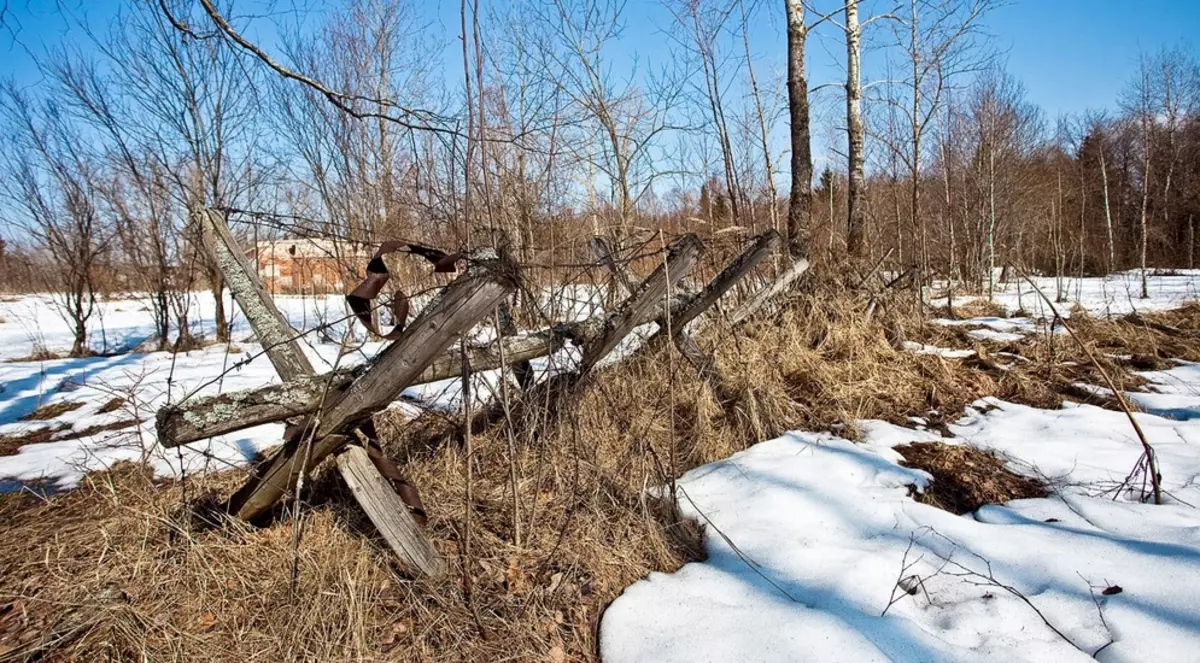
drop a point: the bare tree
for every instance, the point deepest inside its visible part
(800, 203)
(855, 214)
(53, 181)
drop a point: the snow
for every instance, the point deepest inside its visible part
(809, 535)
(147, 381)
(949, 353)
(1114, 295)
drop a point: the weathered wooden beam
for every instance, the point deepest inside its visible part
(390, 515)
(761, 249)
(272, 329)
(232, 411)
(682, 256)
(758, 299)
(458, 307)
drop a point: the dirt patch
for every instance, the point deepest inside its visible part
(112, 406)
(966, 478)
(9, 444)
(52, 410)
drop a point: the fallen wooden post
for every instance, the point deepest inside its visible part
(341, 409)
(201, 418)
(272, 329)
(761, 249)
(388, 512)
(606, 256)
(682, 255)
(758, 299)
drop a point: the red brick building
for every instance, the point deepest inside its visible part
(306, 265)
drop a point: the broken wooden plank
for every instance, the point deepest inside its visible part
(758, 299)
(682, 255)
(761, 249)
(201, 418)
(458, 307)
(272, 329)
(415, 554)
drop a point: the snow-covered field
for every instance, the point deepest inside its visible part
(147, 381)
(809, 535)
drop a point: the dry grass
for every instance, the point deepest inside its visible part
(9, 444)
(112, 405)
(1044, 369)
(127, 568)
(39, 354)
(966, 478)
(52, 410)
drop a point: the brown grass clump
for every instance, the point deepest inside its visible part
(966, 478)
(9, 444)
(112, 405)
(819, 365)
(52, 410)
(1044, 369)
(38, 354)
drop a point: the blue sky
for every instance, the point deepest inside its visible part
(1072, 55)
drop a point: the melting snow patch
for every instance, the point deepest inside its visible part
(817, 552)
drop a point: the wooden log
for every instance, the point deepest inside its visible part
(682, 256)
(415, 554)
(758, 299)
(232, 411)
(460, 305)
(761, 249)
(272, 329)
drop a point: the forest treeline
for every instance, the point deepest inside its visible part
(535, 124)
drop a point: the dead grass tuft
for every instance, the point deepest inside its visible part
(38, 354)
(10, 444)
(112, 406)
(966, 478)
(52, 410)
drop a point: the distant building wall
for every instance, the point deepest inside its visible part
(304, 265)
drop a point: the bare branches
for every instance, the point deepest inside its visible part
(349, 103)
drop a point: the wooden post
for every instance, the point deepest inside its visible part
(202, 418)
(605, 256)
(272, 329)
(756, 301)
(407, 358)
(415, 554)
(762, 248)
(682, 256)
(459, 306)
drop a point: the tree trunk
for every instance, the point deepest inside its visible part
(1108, 226)
(217, 284)
(800, 205)
(1142, 214)
(1191, 242)
(855, 245)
